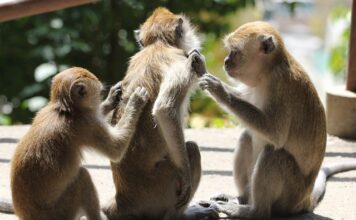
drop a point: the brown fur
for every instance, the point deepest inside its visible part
(281, 151)
(47, 180)
(150, 180)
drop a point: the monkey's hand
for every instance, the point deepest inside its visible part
(185, 189)
(112, 100)
(114, 95)
(211, 83)
(197, 62)
(138, 99)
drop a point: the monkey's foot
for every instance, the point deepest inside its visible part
(222, 197)
(231, 209)
(198, 212)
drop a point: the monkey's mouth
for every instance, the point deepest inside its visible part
(230, 70)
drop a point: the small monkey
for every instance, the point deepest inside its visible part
(279, 155)
(47, 180)
(160, 173)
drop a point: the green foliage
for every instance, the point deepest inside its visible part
(339, 53)
(97, 36)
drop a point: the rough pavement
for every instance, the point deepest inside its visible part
(217, 146)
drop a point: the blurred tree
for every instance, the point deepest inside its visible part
(339, 52)
(97, 36)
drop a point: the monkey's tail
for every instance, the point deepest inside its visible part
(6, 206)
(324, 173)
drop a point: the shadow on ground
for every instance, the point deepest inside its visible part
(9, 140)
(306, 216)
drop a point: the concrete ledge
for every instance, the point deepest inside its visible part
(217, 146)
(341, 112)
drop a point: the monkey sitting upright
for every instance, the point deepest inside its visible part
(160, 173)
(280, 152)
(47, 181)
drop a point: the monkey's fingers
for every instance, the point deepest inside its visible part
(138, 98)
(212, 77)
(215, 206)
(197, 63)
(203, 85)
(205, 204)
(143, 93)
(115, 94)
(117, 86)
(193, 51)
(222, 197)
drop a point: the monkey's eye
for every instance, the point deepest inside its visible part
(233, 53)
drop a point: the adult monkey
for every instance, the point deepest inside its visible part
(280, 152)
(160, 172)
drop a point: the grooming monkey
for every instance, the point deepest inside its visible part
(280, 153)
(47, 181)
(160, 172)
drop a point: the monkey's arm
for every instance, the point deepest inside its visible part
(167, 111)
(272, 124)
(114, 141)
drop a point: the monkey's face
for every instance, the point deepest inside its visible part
(164, 26)
(249, 54)
(243, 62)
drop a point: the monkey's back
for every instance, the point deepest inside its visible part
(146, 162)
(42, 163)
(308, 123)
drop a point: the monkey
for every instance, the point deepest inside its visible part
(160, 172)
(281, 150)
(47, 180)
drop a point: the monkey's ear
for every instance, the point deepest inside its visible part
(78, 90)
(179, 27)
(268, 45)
(137, 37)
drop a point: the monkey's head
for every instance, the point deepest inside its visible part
(253, 47)
(75, 89)
(164, 26)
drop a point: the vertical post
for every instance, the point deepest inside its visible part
(351, 72)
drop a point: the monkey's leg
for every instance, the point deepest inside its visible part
(242, 171)
(266, 182)
(110, 209)
(196, 212)
(266, 188)
(243, 167)
(89, 197)
(77, 195)
(114, 212)
(80, 194)
(195, 164)
(167, 110)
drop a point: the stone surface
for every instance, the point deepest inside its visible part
(217, 146)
